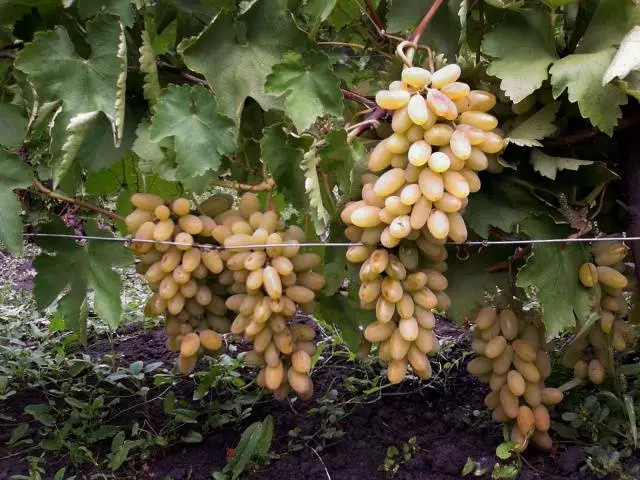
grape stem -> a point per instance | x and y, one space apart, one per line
375 18
350 95
415 36
75 201
583 135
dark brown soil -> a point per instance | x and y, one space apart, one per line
447 419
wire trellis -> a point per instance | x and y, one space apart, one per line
206 246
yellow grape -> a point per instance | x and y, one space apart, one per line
445 75
371 236
163 230
425 298
399 161
438 224
455 184
439 162
162 212
400 121
400 227
241 227
388 183
396 85
456 90
457 228
306 261
481 101
396 370
411 173
369 196
460 145
493 143
249 203
439 134
181 206
190 224
417 110
410 194
397 143
416 77
377 332
441 105
380 157
419 153
386 216
391 290
137 218
420 213
191 259
203 295
366 217
481 120
431 185
475 135
184 240
212 261
472 178
477 160
414 134
392 100
448 203
408 326
610 277
357 253
146 201
455 163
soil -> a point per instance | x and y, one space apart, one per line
448 421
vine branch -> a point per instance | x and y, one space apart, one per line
186 75
75 201
374 16
579 137
266 185
415 36
350 95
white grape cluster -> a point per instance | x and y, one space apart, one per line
513 360
260 275
412 201
607 278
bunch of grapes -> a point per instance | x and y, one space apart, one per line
607 278
251 267
412 202
185 279
512 359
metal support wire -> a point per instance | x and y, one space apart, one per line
206 246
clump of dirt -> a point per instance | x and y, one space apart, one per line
17 272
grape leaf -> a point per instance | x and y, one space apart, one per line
523 50
309 87
319 10
551 275
94 84
14 173
151 87
13 125
503 206
609 24
631 84
345 315
334 264
338 159
235 56
201 135
535 128
626 59
68 268
444 28
344 12
318 211
581 74
121 8
549 166
283 154
470 280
